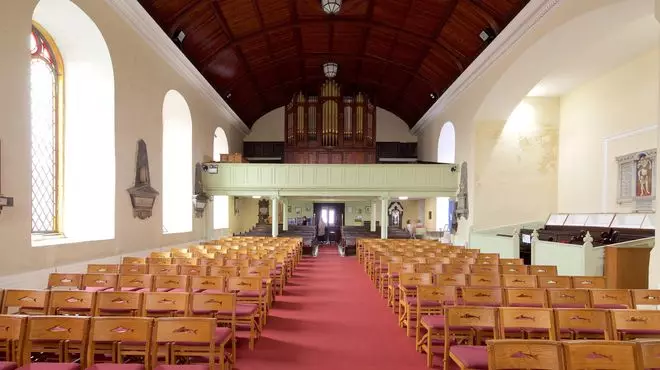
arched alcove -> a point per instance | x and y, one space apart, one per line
177 164
86 135
446 154
220 202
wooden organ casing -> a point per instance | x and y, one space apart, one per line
330 128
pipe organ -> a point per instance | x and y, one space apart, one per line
330 128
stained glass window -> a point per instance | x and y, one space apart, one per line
45 94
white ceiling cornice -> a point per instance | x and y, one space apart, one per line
141 21
528 17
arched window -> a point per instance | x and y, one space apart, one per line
220 202
446 154
177 164
46 91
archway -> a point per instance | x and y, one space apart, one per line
220 202
177 164
446 154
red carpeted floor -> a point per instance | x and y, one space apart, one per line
331 317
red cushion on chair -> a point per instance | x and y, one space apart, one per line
242 310
251 294
640 332
413 302
473 357
116 367
182 367
98 289
50 366
434 321
611 306
5 365
222 335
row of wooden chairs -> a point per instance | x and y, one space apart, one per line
506 354
68 342
460 332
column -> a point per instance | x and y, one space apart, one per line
274 201
383 217
285 214
374 215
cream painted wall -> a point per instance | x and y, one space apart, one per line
270 127
614 114
141 80
246 217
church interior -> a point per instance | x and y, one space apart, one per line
329 184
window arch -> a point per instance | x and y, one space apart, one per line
220 202
446 154
177 164
46 92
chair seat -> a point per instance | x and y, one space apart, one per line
251 294
611 306
6 365
182 367
569 305
473 357
424 303
526 305
50 366
434 321
640 332
116 367
242 310
98 289
222 335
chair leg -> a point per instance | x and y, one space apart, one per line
429 349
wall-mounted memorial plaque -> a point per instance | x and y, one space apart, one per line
637 180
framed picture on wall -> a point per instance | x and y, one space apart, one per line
349 209
298 210
430 215
359 211
288 209
367 209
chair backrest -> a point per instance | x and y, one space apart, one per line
163 255
542 270
602 355
118 303
136 282
525 297
482 296
171 282
568 298
71 302
445 294
484 280
156 269
55 330
164 304
485 269
192 270
511 261
105 281
650 351
645 297
513 270
185 261
185 330
506 354
553 282
60 280
583 320
472 317
212 303
589 282
415 279
519 281
455 268
24 301
450 279
244 284
133 261
226 271
526 318
215 283
610 298
133 331
12 336
642 322
102 269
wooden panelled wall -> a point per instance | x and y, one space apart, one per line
330 128
273 151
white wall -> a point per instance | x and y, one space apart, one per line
611 115
141 78
389 127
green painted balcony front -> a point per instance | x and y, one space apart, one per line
413 180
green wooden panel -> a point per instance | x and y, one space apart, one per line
414 180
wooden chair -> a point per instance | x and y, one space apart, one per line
507 354
583 323
99 282
431 301
408 283
159 261
589 282
250 301
207 284
185 261
192 270
553 282
484 280
221 306
134 261
102 269
12 337
645 298
610 298
171 283
133 269
631 324
650 350
458 280
465 353
519 281
392 285
602 355
64 281
117 338
118 304
485 269
511 261
62 336
568 298
135 283
526 322
226 271
514 270
156 269
71 303
525 297
542 270
482 296
190 337
157 304
25 302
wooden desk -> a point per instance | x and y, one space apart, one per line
627 267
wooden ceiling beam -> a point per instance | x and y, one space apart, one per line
452 53
172 22
239 53
260 20
293 9
485 14
365 34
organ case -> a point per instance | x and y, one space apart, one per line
330 128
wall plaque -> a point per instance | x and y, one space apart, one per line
637 180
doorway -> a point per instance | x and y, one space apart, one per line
332 215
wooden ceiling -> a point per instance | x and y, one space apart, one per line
258 53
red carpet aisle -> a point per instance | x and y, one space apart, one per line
331 317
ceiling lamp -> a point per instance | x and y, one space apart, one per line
330 69
331 6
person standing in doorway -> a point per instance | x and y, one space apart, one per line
320 234
409 228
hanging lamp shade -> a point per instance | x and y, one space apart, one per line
331 6
330 69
